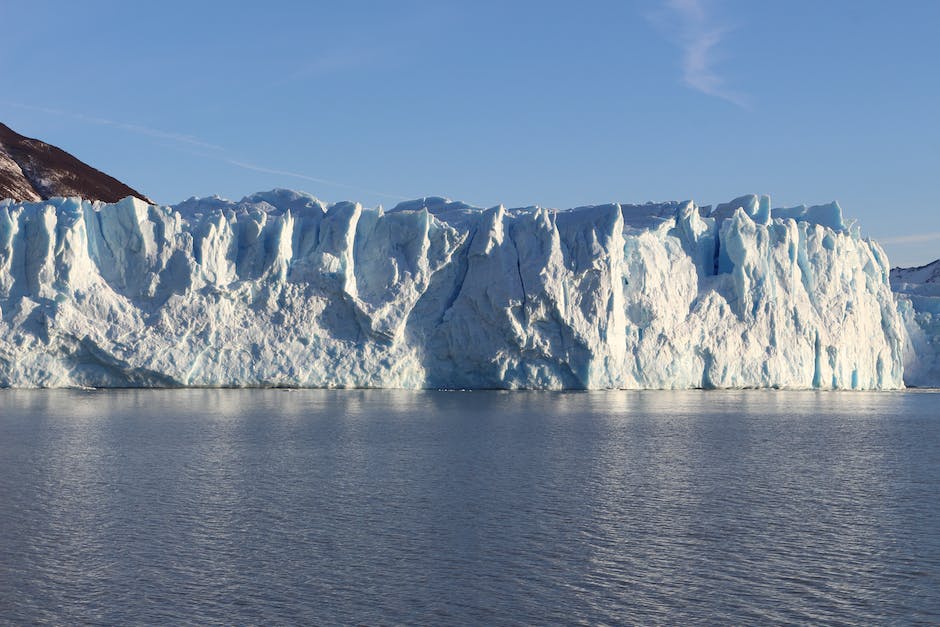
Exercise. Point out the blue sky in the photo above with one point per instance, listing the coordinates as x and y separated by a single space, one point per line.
497 102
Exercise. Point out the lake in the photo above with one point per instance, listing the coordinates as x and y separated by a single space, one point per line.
275 506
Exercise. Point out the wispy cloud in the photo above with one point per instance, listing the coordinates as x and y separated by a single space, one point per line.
915 238
338 60
699 34
296 175
139 129
335 61
188 142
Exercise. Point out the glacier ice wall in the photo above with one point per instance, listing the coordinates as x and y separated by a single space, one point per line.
918 294
281 289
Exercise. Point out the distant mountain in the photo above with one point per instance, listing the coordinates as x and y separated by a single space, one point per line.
32 170
922 280
917 291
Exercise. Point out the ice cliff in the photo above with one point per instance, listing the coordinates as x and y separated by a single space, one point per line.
281 289
918 294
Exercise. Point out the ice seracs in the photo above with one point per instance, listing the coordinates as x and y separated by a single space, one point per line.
282 289
918 294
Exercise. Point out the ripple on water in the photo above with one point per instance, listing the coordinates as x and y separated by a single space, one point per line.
215 506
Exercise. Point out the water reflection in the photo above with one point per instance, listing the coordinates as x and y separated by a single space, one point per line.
387 506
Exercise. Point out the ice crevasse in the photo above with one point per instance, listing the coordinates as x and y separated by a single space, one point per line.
280 289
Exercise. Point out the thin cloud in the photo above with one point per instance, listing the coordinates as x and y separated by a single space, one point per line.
699 35
215 152
139 129
911 239
296 175
337 60
341 60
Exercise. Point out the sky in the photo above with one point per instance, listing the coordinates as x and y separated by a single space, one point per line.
519 103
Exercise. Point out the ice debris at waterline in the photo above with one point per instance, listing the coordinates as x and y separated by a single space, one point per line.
281 289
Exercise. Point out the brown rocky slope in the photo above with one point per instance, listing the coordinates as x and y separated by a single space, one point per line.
32 170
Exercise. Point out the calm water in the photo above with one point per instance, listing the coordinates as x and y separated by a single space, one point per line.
480 507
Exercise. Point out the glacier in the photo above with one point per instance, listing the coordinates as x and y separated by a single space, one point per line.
918 294
281 289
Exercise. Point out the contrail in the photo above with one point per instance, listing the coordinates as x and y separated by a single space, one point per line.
133 128
218 153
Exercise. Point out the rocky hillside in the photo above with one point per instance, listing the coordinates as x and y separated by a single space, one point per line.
32 170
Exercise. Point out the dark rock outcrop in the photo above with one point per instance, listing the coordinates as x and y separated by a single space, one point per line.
32 170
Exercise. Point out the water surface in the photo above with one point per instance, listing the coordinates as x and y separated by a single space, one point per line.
484 507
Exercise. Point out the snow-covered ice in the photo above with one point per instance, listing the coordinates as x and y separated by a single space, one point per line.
281 289
918 294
